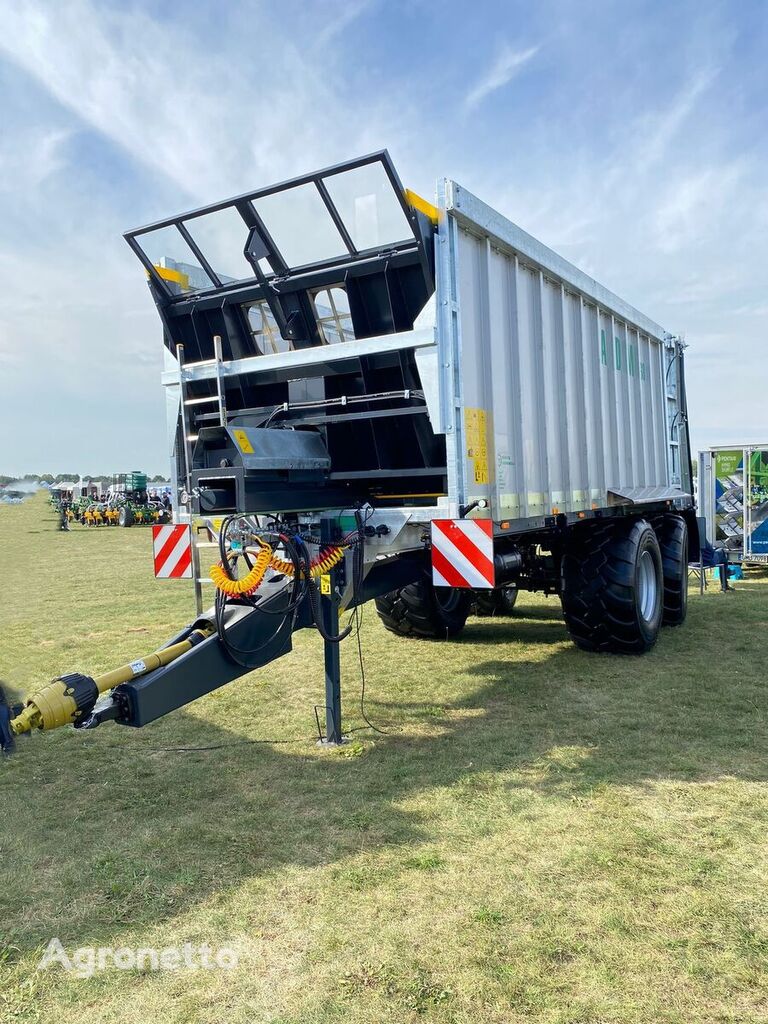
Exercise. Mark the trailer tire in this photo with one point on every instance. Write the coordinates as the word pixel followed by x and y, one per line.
pixel 423 610
pixel 612 587
pixel 125 516
pixel 497 602
pixel 673 541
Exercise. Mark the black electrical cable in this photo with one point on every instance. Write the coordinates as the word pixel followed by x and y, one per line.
pixel 302 586
pixel 369 724
pixel 233 651
pixel 223 746
pixel 301 570
pixel 317 614
pixel 359 613
pixel 358 566
pixel 287 613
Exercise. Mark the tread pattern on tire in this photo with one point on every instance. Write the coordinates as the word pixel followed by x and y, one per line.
pixel 494 603
pixel 413 610
pixel 672 532
pixel 125 516
pixel 598 593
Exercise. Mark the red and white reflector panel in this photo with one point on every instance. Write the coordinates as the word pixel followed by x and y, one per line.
pixel 462 553
pixel 172 549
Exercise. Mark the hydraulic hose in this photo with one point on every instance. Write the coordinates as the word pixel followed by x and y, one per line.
pixel 302 570
pixel 317 614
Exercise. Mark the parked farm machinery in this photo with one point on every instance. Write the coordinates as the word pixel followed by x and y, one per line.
pixel 127 502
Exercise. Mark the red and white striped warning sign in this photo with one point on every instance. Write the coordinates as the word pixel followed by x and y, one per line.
pixel 462 553
pixel 172 548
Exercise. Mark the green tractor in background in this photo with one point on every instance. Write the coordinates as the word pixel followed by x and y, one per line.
pixel 129 498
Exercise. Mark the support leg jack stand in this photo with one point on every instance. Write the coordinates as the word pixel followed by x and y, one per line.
pixel 332 657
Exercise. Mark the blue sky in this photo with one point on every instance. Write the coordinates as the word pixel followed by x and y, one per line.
pixel 632 137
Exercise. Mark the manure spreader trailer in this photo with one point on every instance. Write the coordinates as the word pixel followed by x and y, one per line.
pixel 381 399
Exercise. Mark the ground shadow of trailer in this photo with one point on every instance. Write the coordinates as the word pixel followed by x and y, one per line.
pixel 256 806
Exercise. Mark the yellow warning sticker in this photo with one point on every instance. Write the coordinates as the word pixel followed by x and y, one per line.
pixel 244 444
pixel 477 443
pixel 325 583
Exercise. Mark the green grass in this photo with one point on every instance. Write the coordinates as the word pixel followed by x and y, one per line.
pixel 541 835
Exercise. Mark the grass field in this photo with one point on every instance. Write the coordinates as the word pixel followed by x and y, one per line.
pixel 541 835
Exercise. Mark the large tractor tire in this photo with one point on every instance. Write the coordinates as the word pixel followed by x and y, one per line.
pixel 497 602
pixel 422 610
pixel 613 591
pixel 673 542
pixel 125 516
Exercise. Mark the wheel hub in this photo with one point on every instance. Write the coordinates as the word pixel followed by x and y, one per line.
pixel 648 586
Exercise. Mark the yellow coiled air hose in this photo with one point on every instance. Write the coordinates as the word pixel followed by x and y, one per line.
pixel 319 567
pixel 249 583
pixel 266 559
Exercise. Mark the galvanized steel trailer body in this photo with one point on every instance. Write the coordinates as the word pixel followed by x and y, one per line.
pixel 338 350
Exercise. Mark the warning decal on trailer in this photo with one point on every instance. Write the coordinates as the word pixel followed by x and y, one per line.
pixel 172 550
pixel 462 553
pixel 243 442
pixel 477 443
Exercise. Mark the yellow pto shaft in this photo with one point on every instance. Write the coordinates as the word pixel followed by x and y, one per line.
pixel 65 700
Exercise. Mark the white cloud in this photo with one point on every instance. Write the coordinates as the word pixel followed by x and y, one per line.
pixel 35 155
pixel 685 210
pixel 343 16
pixel 657 131
pixel 212 121
pixel 502 71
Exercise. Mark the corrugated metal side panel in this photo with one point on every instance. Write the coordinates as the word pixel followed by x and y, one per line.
pixel 564 399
